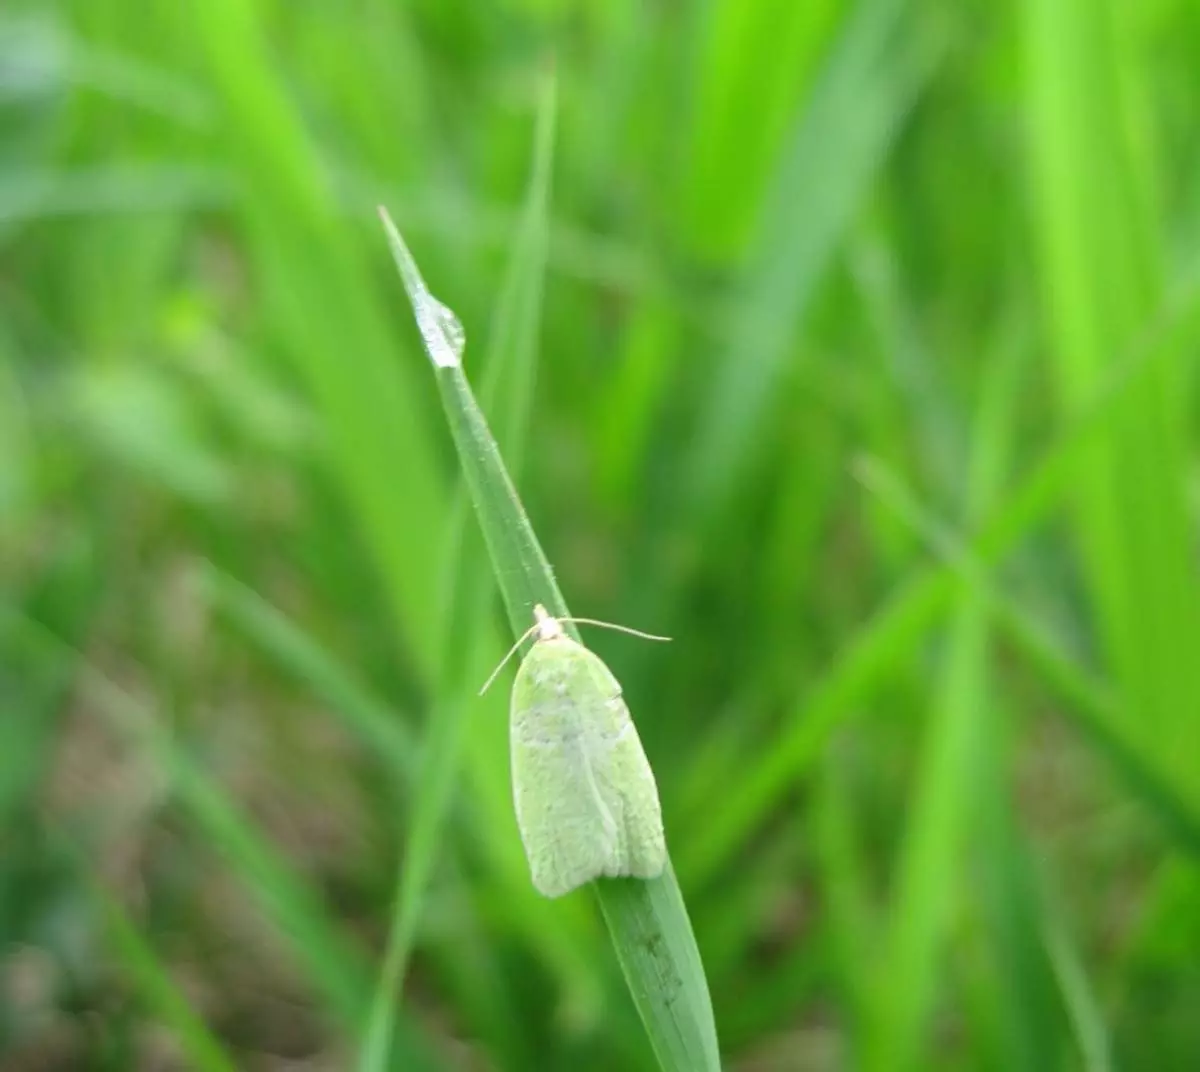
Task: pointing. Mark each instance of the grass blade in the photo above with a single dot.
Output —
(1091, 709)
(647, 921)
(1078, 996)
(315, 284)
(869, 81)
(379, 727)
(944, 801)
(511, 364)
(198, 1044)
(1101, 269)
(933, 842)
(1028, 1025)
(333, 966)
(894, 631)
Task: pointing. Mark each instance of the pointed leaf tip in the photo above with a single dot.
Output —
(441, 330)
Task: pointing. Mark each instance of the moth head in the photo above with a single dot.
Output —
(548, 628)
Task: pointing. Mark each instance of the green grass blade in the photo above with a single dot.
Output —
(933, 842)
(511, 368)
(33, 688)
(761, 53)
(198, 1045)
(367, 716)
(1101, 269)
(1028, 1025)
(869, 81)
(853, 928)
(314, 282)
(1092, 709)
(1078, 994)
(647, 921)
(944, 800)
(898, 626)
(333, 966)
(291, 905)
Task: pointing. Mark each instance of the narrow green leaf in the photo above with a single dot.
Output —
(647, 921)
(1101, 272)
(201, 1048)
(1079, 998)
(333, 965)
(315, 288)
(869, 81)
(898, 626)
(378, 726)
(853, 928)
(1091, 708)
(1028, 1025)
(943, 806)
(511, 364)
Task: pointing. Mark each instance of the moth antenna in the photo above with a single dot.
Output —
(511, 652)
(615, 628)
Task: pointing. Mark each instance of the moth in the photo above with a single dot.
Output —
(585, 796)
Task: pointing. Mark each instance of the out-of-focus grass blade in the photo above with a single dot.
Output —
(110, 189)
(931, 850)
(1090, 708)
(760, 53)
(909, 367)
(292, 906)
(333, 966)
(1079, 998)
(853, 929)
(375, 723)
(900, 624)
(647, 921)
(315, 284)
(858, 101)
(33, 688)
(1028, 1028)
(199, 1046)
(1101, 270)
(510, 369)
(944, 799)
(1041, 986)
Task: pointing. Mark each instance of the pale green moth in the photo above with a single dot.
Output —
(587, 804)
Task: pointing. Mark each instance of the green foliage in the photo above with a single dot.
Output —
(848, 343)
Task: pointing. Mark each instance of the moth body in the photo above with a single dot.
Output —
(586, 801)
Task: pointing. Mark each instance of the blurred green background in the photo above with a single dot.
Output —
(865, 372)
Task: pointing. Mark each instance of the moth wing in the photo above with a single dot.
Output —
(628, 788)
(569, 832)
